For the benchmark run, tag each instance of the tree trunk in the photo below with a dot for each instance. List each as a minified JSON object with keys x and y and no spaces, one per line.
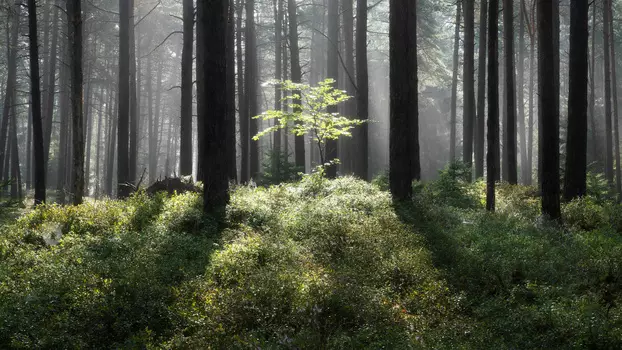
{"x":614,"y":87}
{"x":10,"y":86}
{"x":65,"y":127}
{"x":16,"y":185}
{"x":596,"y":153}
{"x":185,"y":129}
{"x":361,"y":133}
{"x":548,"y":91}
{"x":608,"y":117}
{"x":480,"y":128}
{"x":242,"y":105}
{"x":251,"y":86}
{"x":123,"y":175}
{"x":509,"y":140}
{"x":213,"y":15}
{"x":231,"y":139}
{"x":576,"y":142}
{"x":50,"y":85}
{"x":98,"y":141}
{"x":299,"y":141}
{"x":74,"y":16}
{"x":278,"y":76}
{"x":347,"y":164}
{"x":521,"y":94}
{"x":469,"y":82}
{"x":404,"y":142}
{"x":454,"y":86}
{"x":532,"y":74}
{"x":493,"y":104}
{"x":133,"y":109}
{"x":35,"y":91}
{"x":332,"y":65}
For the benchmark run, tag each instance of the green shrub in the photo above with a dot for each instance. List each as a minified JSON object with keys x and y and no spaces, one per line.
{"x":584,"y":214}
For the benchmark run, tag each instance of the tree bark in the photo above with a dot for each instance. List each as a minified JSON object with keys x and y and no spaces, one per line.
{"x":493,"y":104}
{"x":454,"y":86}
{"x":251,"y":86}
{"x":614,"y":91}
{"x":242,"y":105}
{"x":10,"y":86}
{"x":123,"y":175}
{"x":608,"y":117}
{"x":133,"y":116}
{"x":361,"y":133}
{"x":35,"y":91}
{"x":332,"y":65}
{"x":50,"y":85}
{"x":509,"y":144}
{"x":74,"y":16}
{"x":185,"y":129}
{"x":278,"y":76}
{"x":213,"y":15}
{"x":469,"y":82}
{"x":576,"y":142}
{"x":480,"y":128}
{"x":231,"y":139}
{"x":347,"y":165}
{"x":404,"y":142}
{"x":299,"y":141}
{"x":548,"y":91}
{"x":521,"y":95}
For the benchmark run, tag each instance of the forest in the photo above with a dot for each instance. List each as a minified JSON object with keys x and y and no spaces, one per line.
{"x":310,"y":174}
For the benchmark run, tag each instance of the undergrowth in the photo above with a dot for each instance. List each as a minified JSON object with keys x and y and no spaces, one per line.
{"x":317,"y":264}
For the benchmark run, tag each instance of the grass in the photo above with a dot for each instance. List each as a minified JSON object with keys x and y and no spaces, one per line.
{"x":316,"y":264}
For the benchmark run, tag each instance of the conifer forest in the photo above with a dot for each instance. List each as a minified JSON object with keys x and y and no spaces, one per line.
{"x":310,"y":174}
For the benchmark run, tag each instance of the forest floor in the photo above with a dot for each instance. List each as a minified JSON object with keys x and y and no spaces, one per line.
{"x":316,"y":264}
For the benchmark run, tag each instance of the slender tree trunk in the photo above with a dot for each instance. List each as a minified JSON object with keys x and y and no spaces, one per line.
{"x":521,"y":94}
{"x":213,"y":15}
{"x":278,"y":75}
{"x":112,"y":144}
{"x":454,"y":86}
{"x":608,"y":117}
{"x":614,"y":91}
{"x":469,"y":82}
{"x":10,"y":86}
{"x":350,"y":87}
{"x":65,"y":127}
{"x":123,"y":161}
{"x":242,"y":105}
{"x":361,"y":165}
{"x":251,"y":86}
{"x":576,"y":142}
{"x":597,"y":155}
{"x":98,"y":141}
{"x":35,"y":89}
{"x":231,"y":139}
{"x":480,"y":128}
{"x":16,"y":185}
{"x":333,"y":73}
{"x":133,"y":109}
{"x":532,"y":74}
{"x":50,"y":85}
{"x":74,"y":16}
{"x":299,"y":141}
{"x":493,"y":104}
{"x":549,"y":98}
{"x":509,"y":142}
{"x":29,"y":149}
{"x":185,"y":129}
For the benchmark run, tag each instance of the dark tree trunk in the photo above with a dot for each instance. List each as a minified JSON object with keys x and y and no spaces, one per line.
{"x":509,"y":141}
{"x":469,"y":82}
{"x":112,"y":144}
{"x":251,"y":86}
{"x":16,"y":184}
{"x":74,"y":16}
{"x":549,"y":98}
{"x":521,"y":95}
{"x":614,"y":91}
{"x":133,"y":119}
{"x":532,"y":74}
{"x":576,"y":142}
{"x":299,"y":141}
{"x":596,"y":153}
{"x":608,"y":117}
{"x":361,"y":164}
{"x":10,"y":86}
{"x":123,"y":175}
{"x":454,"y":86}
{"x":480,"y":128}
{"x":98,"y":141}
{"x":493,"y":104}
{"x":213,"y":15}
{"x":35,"y":91}
{"x":404,"y":142}
{"x":332,"y":65}
{"x":242,"y":106}
{"x":347,"y":164}
{"x":65,"y":127}
{"x":29,"y":149}
{"x":185,"y":128}
{"x":231,"y":140}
